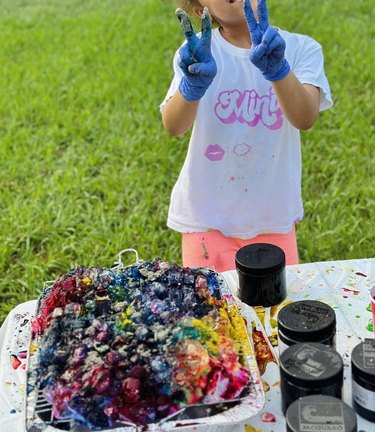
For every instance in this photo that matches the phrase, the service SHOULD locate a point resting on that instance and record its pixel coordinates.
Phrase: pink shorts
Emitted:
(213, 249)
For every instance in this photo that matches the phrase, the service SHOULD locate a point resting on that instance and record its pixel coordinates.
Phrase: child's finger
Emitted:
(199, 69)
(186, 25)
(269, 39)
(186, 58)
(263, 15)
(206, 24)
(249, 15)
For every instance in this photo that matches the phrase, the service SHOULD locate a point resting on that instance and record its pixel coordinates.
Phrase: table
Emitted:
(343, 285)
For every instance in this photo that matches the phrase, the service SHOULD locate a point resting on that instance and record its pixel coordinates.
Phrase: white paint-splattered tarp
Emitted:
(343, 285)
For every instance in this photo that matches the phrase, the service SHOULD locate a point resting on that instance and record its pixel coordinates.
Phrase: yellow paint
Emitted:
(231, 324)
(249, 428)
(240, 332)
(208, 336)
(261, 312)
(266, 386)
(124, 318)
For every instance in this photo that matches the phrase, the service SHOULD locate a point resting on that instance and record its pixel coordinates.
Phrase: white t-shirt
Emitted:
(242, 172)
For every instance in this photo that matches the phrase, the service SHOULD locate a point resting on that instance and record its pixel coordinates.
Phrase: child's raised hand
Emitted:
(196, 60)
(268, 47)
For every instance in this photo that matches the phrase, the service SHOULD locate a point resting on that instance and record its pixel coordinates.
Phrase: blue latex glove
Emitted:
(268, 47)
(196, 60)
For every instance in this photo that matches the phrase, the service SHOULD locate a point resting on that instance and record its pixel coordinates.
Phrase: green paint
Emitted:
(273, 323)
(358, 316)
(370, 326)
(369, 307)
(349, 304)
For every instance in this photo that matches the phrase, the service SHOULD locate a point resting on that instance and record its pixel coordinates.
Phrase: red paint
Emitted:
(15, 362)
(355, 292)
(361, 274)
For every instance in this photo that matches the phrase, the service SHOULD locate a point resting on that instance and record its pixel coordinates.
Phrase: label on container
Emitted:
(308, 315)
(321, 417)
(363, 397)
(369, 355)
(307, 362)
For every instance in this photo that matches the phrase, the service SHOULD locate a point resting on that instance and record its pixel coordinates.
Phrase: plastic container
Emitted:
(261, 274)
(320, 413)
(306, 321)
(309, 369)
(363, 379)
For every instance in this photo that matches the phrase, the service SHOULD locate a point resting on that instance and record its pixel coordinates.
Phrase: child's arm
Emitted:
(299, 102)
(179, 114)
(199, 70)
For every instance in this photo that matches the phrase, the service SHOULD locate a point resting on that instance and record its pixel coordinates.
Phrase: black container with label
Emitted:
(363, 379)
(320, 413)
(306, 321)
(309, 369)
(261, 274)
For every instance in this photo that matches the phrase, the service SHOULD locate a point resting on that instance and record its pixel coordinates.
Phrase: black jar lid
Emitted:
(320, 412)
(307, 320)
(260, 259)
(311, 365)
(363, 360)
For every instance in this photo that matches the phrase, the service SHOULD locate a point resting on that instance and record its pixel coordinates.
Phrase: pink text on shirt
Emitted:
(249, 107)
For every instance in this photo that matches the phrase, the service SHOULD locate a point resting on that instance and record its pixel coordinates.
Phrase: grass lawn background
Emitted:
(86, 167)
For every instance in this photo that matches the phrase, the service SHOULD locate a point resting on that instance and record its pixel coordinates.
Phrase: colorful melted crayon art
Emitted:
(136, 344)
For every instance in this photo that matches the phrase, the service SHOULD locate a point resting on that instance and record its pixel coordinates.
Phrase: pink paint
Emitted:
(22, 354)
(267, 417)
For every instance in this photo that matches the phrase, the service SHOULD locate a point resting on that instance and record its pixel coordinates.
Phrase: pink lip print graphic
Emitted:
(214, 153)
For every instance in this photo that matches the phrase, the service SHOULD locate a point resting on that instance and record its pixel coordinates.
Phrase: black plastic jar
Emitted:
(306, 321)
(309, 369)
(363, 379)
(261, 274)
(320, 413)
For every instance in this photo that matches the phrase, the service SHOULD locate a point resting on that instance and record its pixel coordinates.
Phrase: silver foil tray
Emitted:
(39, 416)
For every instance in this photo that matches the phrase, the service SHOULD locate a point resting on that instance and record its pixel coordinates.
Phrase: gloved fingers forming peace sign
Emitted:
(257, 29)
(196, 60)
(268, 47)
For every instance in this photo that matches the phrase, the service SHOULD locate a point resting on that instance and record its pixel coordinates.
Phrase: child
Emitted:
(248, 88)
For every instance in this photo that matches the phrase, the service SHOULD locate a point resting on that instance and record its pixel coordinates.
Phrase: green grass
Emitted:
(86, 167)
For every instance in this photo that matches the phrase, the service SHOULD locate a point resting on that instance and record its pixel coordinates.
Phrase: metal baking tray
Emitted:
(39, 416)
